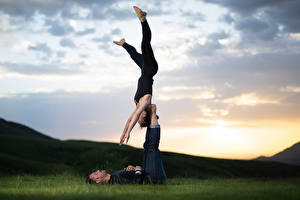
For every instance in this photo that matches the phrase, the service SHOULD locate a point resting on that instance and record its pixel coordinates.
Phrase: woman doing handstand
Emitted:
(149, 68)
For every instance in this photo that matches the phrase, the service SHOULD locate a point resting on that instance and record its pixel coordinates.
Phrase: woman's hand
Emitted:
(124, 137)
(143, 103)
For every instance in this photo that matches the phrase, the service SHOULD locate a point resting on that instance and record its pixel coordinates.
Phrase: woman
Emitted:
(143, 94)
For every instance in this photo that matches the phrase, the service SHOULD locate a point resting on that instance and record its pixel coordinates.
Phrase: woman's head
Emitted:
(145, 118)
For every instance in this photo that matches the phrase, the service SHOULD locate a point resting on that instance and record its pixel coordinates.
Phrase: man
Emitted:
(153, 168)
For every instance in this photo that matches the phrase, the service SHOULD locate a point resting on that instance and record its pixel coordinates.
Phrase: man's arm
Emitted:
(133, 168)
(154, 120)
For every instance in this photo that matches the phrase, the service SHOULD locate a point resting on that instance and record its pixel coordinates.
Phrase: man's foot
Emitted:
(141, 14)
(120, 43)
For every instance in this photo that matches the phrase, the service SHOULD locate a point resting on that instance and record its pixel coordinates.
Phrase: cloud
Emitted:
(227, 18)
(209, 112)
(192, 17)
(71, 115)
(65, 42)
(263, 20)
(7, 95)
(253, 29)
(293, 89)
(39, 69)
(246, 7)
(60, 54)
(246, 86)
(41, 47)
(211, 45)
(168, 93)
(59, 28)
(85, 32)
(105, 40)
(28, 8)
(108, 36)
(249, 99)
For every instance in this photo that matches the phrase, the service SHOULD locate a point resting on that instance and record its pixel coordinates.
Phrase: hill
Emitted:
(290, 155)
(26, 151)
(15, 129)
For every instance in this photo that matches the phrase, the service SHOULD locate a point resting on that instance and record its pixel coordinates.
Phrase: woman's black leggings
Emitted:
(150, 64)
(146, 61)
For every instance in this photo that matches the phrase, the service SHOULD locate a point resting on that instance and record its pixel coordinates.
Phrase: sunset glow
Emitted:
(228, 83)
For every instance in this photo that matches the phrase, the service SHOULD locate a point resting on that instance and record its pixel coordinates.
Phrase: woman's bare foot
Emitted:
(141, 14)
(120, 43)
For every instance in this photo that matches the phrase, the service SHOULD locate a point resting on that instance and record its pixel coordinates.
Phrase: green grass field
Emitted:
(72, 187)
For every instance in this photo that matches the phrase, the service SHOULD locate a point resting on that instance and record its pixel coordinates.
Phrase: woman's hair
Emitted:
(147, 120)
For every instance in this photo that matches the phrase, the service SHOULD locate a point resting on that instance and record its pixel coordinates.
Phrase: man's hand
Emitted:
(133, 168)
(129, 168)
(153, 108)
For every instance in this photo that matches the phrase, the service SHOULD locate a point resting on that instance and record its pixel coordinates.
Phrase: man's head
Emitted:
(99, 176)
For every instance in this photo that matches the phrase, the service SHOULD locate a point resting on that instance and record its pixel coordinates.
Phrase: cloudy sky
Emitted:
(228, 84)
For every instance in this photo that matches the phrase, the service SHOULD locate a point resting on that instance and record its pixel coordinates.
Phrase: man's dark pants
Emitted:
(152, 161)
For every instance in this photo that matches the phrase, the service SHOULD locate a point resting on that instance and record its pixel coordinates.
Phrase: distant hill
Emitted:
(15, 129)
(290, 155)
(26, 151)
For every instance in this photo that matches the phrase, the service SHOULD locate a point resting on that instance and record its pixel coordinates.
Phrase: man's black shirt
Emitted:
(127, 177)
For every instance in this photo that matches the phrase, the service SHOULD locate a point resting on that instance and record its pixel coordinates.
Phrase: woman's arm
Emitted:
(134, 118)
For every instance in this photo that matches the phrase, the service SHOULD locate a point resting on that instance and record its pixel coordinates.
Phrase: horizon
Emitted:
(227, 87)
(138, 146)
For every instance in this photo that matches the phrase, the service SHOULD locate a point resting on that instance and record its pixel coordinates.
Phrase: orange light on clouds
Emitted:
(227, 140)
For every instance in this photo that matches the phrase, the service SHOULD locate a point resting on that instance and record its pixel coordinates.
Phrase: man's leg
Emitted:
(152, 161)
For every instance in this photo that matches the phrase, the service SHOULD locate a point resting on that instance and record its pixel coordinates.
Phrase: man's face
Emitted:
(98, 176)
(142, 116)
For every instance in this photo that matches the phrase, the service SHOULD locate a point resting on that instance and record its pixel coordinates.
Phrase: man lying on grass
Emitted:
(153, 168)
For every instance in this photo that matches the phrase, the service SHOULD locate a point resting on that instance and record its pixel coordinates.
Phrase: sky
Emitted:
(228, 84)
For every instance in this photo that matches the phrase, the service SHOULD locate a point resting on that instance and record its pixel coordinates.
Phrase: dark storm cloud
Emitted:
(41, 47)
(66, 42)
(41, 69)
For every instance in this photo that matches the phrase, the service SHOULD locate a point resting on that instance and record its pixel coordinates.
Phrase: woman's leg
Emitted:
(136, 57)
(150, 64)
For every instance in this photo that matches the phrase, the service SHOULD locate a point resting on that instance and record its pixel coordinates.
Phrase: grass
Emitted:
(73, 187)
